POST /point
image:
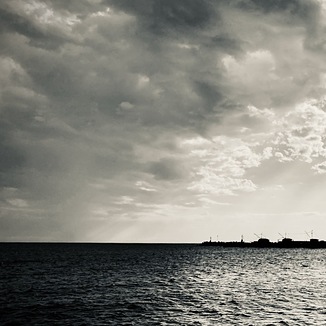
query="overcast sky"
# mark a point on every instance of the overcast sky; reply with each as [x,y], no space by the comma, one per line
[162,120]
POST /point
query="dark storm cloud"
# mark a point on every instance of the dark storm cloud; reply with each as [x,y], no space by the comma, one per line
[63,78]
[167,169]
[168,16]
[299,8]
[11,159]
[298,12]
[11,22]
[225,43]
[210,94]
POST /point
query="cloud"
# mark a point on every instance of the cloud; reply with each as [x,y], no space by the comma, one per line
[120,109]
[166,169]
[320,168]
[303,132]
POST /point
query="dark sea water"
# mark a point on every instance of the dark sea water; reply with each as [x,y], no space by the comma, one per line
[108,284]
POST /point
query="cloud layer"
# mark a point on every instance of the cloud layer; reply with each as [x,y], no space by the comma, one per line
[160,120]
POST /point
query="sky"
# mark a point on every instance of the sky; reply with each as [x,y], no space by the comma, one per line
[162,120]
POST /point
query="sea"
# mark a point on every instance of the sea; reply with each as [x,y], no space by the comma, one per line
[160,284]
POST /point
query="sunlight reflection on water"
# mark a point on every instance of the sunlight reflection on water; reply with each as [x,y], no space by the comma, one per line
[100,284]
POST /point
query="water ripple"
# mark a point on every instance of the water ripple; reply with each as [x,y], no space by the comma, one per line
[88,284]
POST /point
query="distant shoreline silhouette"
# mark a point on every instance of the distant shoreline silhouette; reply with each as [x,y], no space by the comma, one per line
[266,243]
